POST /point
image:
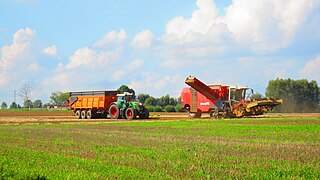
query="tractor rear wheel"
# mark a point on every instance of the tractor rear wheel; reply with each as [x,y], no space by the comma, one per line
[130,113]
[144,114]
[114,111]
[78,114]
[84,114]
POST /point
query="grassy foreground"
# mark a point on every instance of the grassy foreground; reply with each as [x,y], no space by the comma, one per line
[208,149]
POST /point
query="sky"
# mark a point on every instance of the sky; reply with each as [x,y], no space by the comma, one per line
[152,46]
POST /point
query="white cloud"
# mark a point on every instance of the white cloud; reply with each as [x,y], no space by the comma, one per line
[18,50]
[129,68]
[111,37]
[89,67]
[204,27]
[93,58]
[267,25]
[143,39]
[261,26]
[201,21]
[311,69]
[155,83]
[51,51]
[16,56]
[135,65]
[118,74]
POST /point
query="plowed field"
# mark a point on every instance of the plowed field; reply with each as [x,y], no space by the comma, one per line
[56,117]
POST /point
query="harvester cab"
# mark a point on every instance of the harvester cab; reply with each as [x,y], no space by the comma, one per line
[237,94]
[125,107]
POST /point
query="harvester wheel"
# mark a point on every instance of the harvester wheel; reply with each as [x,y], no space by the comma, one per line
[130,113]
[239,112]
[114,111]
[78,114]
[214,114]
[195,115]
[83,114]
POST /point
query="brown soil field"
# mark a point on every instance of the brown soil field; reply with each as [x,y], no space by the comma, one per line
[56,117]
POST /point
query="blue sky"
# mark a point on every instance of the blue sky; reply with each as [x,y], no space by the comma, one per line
[153,46]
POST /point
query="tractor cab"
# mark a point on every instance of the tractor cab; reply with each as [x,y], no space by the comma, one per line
[125,97]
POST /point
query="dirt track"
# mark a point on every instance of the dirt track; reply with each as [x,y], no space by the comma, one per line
[55,117]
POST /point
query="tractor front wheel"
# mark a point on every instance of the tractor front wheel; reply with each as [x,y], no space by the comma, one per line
[130,113]
[114,111]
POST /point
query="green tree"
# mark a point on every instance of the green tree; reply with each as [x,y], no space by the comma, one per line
[125,88]
[178,108]
[169,108]
[37,103]
[143,97]
[13,105]
[158,108]
[28,104]
[150,101]
[4,105]
[46,105]
[298,95]
[167,100]
[150,108]
[58,98]
[256,95]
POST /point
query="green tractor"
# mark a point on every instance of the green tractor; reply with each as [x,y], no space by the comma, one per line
[126,108]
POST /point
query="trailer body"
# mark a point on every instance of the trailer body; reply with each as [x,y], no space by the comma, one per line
[91,104]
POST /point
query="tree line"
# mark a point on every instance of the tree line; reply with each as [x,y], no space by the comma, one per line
[298,96]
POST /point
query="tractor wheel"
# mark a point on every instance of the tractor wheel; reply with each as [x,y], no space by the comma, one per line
[90,114]
[114,111]
[130,113]
[145,114]
[78,114]
[84,114]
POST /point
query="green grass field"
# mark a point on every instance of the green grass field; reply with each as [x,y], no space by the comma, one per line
[266,148]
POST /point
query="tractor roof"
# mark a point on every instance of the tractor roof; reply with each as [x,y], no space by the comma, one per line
[125,94]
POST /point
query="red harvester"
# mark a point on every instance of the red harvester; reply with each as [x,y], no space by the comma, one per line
[222,101]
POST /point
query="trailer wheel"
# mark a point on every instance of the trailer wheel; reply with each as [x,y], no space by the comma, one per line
[114,111]
[90,114]
[83,114]
[78,114]
[130,113]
